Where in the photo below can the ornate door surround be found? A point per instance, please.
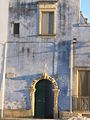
(56, 91)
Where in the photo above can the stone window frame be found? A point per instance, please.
(47, 7)
(77, 101)
(12, 25)
(80, 69)
(77, 72)
(85, 98)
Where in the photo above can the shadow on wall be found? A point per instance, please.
(63, 71)
(34, 54)
(81, 45)
(20, 94)
(20, 58)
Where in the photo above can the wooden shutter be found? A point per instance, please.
(89, 83)
(51, 22)
(83, 83)
(79, 84)
(45, 22)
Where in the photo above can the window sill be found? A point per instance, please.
(16, 35)
(84, 25)
(47, 35)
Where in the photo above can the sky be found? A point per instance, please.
(85, 8)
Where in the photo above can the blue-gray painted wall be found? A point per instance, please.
(50, 55)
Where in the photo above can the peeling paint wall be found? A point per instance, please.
(29, 55)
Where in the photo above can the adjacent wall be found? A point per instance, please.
(3, 38)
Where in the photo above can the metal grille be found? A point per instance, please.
(81, 103)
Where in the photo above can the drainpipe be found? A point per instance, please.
(72, 71)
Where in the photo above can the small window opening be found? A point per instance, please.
(16, 27)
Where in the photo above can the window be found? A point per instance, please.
(15, 27)
(84, 83)
(47, 18)
(47, 23)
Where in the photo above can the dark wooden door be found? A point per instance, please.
(44, 99)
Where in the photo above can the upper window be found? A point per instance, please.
(47, 18)
(47, 23)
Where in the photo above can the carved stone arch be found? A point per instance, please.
(45, 76)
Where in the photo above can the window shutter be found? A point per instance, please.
(45, 22)
(84, 81)
(51, 22)
(13, 28)
(79, 84)
(88, 83)
(84, 84)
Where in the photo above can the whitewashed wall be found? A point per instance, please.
(3, 38)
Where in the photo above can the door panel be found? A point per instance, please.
(44, 99)
(39, 100)
(49, 101)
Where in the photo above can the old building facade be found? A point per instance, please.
(47, 59)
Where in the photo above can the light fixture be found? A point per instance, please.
(74, 40)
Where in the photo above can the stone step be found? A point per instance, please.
(86, 115)
(64, 118)
(72, 118)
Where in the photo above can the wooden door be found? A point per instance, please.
(44, 99)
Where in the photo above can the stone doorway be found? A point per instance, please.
(44, 99)
(55, 90)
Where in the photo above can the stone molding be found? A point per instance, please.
(46, 8)
(45, 76)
